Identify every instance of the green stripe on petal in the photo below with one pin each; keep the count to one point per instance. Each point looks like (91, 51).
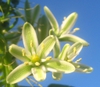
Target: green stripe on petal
(18, 52)
(68, 23)
(56, 75)
(52, 19)
(59, 66)
(74, 50)
(63, 54)
(46, 46)
(82, 68)
(39, 73)
(29, 37)
(73, 38)
(19, 73)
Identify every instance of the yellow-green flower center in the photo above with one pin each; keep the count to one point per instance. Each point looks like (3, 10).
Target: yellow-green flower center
(35, 58)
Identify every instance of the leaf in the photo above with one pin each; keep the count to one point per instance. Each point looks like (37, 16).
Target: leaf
(56, 75)
(29, 37)
(55, 65)
(68, 23)
(39, 73)
(82, 68)
(19, 73)
(52, 19)
(18, 52)
(72, 38)
(27, 11)
(46, 46)
(35, 14)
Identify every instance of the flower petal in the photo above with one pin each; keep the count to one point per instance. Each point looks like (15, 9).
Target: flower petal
(56, 48)
(63, 54)
(82, 68)
(46, 46)
(19, 73)
(52, 19)
(39, 73)
(56, 75)
(68, 23)
(18, 52)
(73, 38)
(59, 66)
(74, 50)
(29, 37)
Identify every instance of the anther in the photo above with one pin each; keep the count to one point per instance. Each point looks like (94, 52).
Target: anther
(37, 63)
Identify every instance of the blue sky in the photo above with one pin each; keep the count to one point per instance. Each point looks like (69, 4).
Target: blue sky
(89, 23)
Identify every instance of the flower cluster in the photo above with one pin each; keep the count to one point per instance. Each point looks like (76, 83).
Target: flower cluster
(35, 57)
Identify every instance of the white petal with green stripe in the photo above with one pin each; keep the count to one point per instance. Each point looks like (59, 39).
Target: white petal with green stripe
(63, 54)
(60, 66)
(46, 46)
(74, 50)
(29, 37)
(73, 38)
(52, 19)
(19, 73)
(82, 68)
(39, 73)
(68, 23)
(19, 53)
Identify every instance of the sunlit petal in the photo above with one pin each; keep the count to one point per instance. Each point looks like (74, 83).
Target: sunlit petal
(82, 68)
(60, 66)
(29, 37)
(19, 73)
(46, 46)
(68, 23)
(52, 19)
(73, 38)
(39, 73)
(74, 50)
(18, 52)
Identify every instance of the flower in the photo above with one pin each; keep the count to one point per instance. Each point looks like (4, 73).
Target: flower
(34, 56)
(68, 54)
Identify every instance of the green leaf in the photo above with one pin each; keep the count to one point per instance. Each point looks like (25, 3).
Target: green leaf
(74, 50)
(18, 52)
(56, 48)
(72, 38)
(19, 73)
(82, 68)
(43, 27)
(46, 46)
(52, 19)
(39, 73)
(55, 65)
(68, 23)
(56, 75)
(27, 11)
(63, 54)
(29, 37)
(35, 13)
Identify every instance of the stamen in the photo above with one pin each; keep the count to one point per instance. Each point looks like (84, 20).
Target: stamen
(85, 70)
(74, 50)
(26, 63)
(23, 52)
(37, 63)
(48, 58)
(35, 58)
(77, 61)
(42, 45)
(31, 43)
